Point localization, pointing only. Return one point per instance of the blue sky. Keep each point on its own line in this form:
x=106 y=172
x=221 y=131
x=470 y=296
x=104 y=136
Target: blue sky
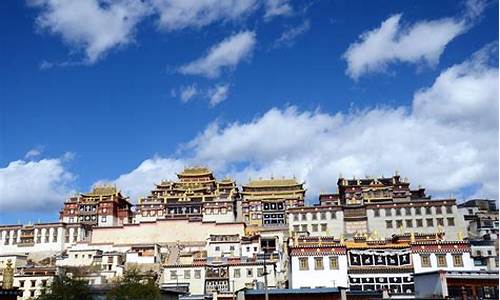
x=279 y=88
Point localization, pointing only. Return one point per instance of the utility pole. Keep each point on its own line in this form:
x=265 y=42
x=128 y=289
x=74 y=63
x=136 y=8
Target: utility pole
x=266 y=293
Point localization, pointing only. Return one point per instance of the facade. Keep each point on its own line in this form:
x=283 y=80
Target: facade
x=32 y=281
x=265 y=202
x=318 y=262
x=380 y=206
x=103 y=206
x=196 y=195
x=481 y=217
x=441 y=255
x=41 y=238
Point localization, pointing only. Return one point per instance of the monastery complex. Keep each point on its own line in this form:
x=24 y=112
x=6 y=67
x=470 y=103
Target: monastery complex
x=210 y=237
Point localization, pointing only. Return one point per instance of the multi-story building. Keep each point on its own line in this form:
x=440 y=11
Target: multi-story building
x=196 y=195
x=481 y=218
x=226 y=264
x=42 y=237
x=33 y=280
x=266 y=201
x=103 y=206
x=317 y=262
x=386 y=206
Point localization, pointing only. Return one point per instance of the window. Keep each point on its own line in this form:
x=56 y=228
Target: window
x=489 y=252
x=425 y=261
x=249 y=272
x=428 y=210
x=296 y=228
x=457 y=261
x=173 y=274
x=441 y=261
x=323 y=215
x=323 y=227
x=408 y=211
x=33 y=283
x=420 y=222
x=439 y=210
x=314 y=216
x=409 y=223
x=318 y=263
x=103 y=219
x=187 y=274
x=44 y=283
x=418 y=211
x=334 y=263
x=32 y=293
x=429 y=222
x=217 y=248
x=197 y=274
x=449 y=210
x=315 y=227
x=260 y=272
x=388 y=224
x=376 y=212
x=295 y=217
x=398 y=211
x=231 y=248
x=388 y=212
x=236 y=273
x=334 y=215
x=21 y=283
x=451 y=221
x=303 y=263
x=304 y=217
x=399 y=223
x=440 y=221
x=304 y=227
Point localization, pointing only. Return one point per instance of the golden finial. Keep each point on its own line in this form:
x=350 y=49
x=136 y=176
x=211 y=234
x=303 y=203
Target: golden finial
x=412 y=237
x=8 y=276
x=401 y=229
x=342 y=239
x=460 y=236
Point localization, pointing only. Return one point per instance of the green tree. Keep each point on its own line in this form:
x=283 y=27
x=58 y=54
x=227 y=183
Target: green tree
x=134 y=286
x=66 y=288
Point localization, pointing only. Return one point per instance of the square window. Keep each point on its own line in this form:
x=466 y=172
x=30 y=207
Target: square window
x=398 y=211
x=418 y=211
x=388 y=212
x=449 y=210
x=388 y=224
x=457 y=261
x=334 y=263
x=429 y=222
x=249 y=272
x=315 y=227
x=303 y=263
x=314 y=216
x=236 y=273
x=318 y=263
x=409 y=223
x=440 y=221
x=323 y=227
x=323 y=215
x=197 y=274
x=295 y=217
x=408 y=211
x=376 y=212
x=173 y=274
x=420 y=222
x=451 y=221
x=428 y=210
x=296 y=228
x=441 y=261
x=187 y=274
x=399 y=223
x=439 y=210
x=304 y=227
x=425 y=260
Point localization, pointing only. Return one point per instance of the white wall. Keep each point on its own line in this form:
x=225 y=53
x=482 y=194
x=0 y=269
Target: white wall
x=319 y=278
x=468 y=263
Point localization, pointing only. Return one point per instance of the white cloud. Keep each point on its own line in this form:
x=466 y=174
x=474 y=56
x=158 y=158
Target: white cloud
x=442 y=153
x=218 y=94
x=180 y=14
x=227 y=54
x=188 y=92
x=29 y=186
x=32 y=153
x=288 y=37
x=275 y=8
x=392 y=42
x=141 y=180
x=92 y=26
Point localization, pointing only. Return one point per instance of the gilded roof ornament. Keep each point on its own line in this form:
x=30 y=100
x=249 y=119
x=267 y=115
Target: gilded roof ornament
x=8 y=276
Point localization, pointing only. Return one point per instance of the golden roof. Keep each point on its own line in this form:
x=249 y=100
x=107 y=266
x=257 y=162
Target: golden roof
x=103 y=190
x=273 y=182
x=195 y=171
